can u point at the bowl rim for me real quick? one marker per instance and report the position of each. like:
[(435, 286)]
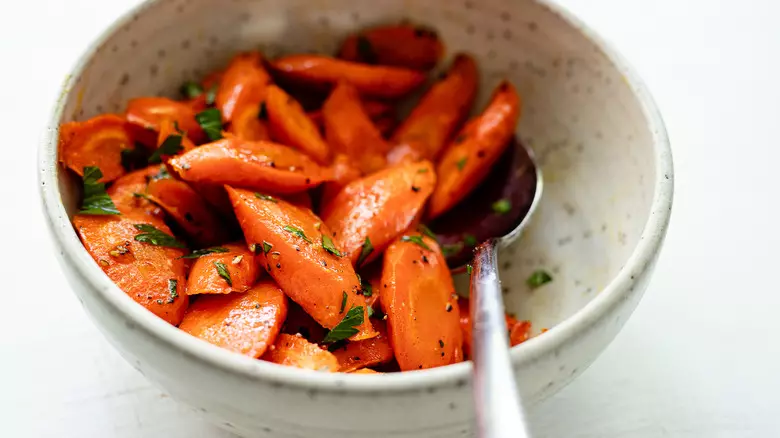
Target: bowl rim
[(155, 329)]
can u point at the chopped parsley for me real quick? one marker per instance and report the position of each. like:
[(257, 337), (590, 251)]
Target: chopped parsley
[(427, 231), (297, 231), (262, 112), (133, 158), (461, 163), (417, 240), (469, 269), (365, 50), (365, 287), (151, 235), (346, 328), (469, 240), (266, 247), (211, 94), (502, 206), (365, 250), (211, 122), (538, 278), (422, 170), (96, 200), (201, 252), (327, 244), (370, 311), (191, 89), (223, 272), (170, 146), (172, 286), (265, 197), (162, 174), (343, 302)]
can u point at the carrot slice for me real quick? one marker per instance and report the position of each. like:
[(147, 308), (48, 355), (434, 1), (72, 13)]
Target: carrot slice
[(243, 82), (350, 131), (376, 110), (150, 112), (519, 331), (235, 270), (470, 156), (441, 111), (246, 323), (296, 351), (97, 142), (365, 353), (422, 313), (261, 165), (290, 125), (343, 173), (247, 123), (152, 275), (400, 45), (293, 251), (168, 128), (371, 81), (126, 189), (379, 207)]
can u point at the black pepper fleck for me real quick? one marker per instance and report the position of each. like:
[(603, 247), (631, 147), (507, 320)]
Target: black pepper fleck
[(278, 266)]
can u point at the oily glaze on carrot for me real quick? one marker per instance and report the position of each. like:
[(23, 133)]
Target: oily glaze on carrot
[(378, 207), (242, 83), (246, 323), (290, 125), (371, 81), (295, 256), (365, 353), (297, 352), (125, 191), (437, 116), (472, 153), (238, 261), (350, 131), (400, 45), (150, 112), (247, 124), (153, 276), (97, 142), (262, 166), (422, 311)]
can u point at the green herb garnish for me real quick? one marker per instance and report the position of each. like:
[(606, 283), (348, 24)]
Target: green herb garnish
[(211, 94), (151, 235), (262, 112), (365, 250), (141, 195), (469, 240), (327, 244), (461, 163), (469, 269), (265, 197), (418, 240), (427, 231), (223, 272), (343, 302), (366, 50), (171, 146), (133, 158), (422, 170), (172, 285), (366, 287), (191, 89), (370, 311), (502, 206), (266, 247), (162, 174), (96, 200), (211, 122), (297, 231), (201, 252), (346, 328), (538, 278)]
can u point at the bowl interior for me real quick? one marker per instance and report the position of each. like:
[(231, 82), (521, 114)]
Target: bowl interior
[(580, 115)]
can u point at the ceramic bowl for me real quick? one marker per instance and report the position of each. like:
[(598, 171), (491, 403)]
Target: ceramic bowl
[(588, 117)]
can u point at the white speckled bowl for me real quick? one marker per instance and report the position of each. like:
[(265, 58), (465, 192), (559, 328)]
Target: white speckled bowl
[(599, 229)]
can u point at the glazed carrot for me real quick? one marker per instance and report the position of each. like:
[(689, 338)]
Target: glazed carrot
[(151, 275), (365, 371), (378, 207), (243, 82), (350, 131), (124, 191), (469, 158), (168, 128), (188, 209), (422, 313), (290, 125), (371, 81), (246, 323), (231, 268), (365, 353), (262, 166), (441, 111), (343, 173), (247, 125), (376, 110), (97, 142), (299, 322), (296, 351), (400, 45), (519, 331), (149, 113), (294, 253)]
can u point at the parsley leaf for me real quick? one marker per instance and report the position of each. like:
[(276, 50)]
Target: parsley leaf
[(201, 252), (211, 122), (365, 250), (422, 170), (265, 197), (211, 94), (370, 311), (191, 89), (469, 269), (163, 174), (538, 278), (366, 288), (266, 247), (461, 163), (346, 328), (427, 231), (172, 286), (96, 200), (502, 206), (171, 146), (418, 240), (343, 302), (223, 272), (297, 231), (365, 50), (469, 240), (151, 235), (327, 244), (134, 158)]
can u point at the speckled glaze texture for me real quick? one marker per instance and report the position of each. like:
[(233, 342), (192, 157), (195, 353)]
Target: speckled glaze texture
[(599, 228)]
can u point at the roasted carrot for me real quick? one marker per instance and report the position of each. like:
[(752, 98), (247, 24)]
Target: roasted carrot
[(149, 113), (243, 83), (151, 275), (343, 173), (440, 112), (472, 153), (97, 142), (519, 331), (262, 166), (378, 207), (167, 129), (127, 191), (401, 45), (299, 255), (229, 268), (246, 323), (419, 301), (365, 353), (371, 81), (351, 132), (289, 124), (247, 123), (295, 351), (376, 110)]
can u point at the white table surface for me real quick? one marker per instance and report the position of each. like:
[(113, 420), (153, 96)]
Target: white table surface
[(699, 358)]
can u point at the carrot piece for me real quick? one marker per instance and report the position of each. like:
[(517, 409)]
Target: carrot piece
[(470, 156), (124, 191), (293, 251), (519, 333), (350, 131), (299, 322), (261, 165), (422, 313), (150, 112), (97, 142), (365, 353), (376, 110), (441, 111), (247, 124), (152, 275), (243, 83), (371, 81), (365, 371), (168, 128), (379, 207), (289, 124), (400, 45), (188, 209), (246, 323), (296, 351), (516, 335), (343, 174), (223, 272)]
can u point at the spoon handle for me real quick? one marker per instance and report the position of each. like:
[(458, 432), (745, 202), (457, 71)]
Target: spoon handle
[(499, 413)]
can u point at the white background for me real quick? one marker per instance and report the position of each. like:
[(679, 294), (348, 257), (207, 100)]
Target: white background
[(699, 358)]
